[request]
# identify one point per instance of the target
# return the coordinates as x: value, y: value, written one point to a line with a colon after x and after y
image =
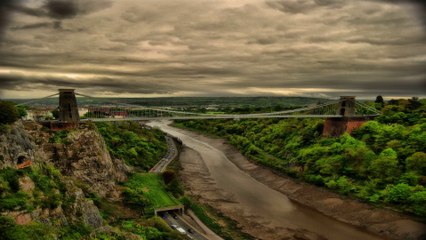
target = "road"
x: 176, y: 220
x: 170, y: 155
x: 259, y: 201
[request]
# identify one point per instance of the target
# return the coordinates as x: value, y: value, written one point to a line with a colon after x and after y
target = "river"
x: 260, y: 200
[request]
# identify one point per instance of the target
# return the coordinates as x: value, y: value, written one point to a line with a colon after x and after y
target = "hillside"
x: 382, y: 163
x: 73, y: 187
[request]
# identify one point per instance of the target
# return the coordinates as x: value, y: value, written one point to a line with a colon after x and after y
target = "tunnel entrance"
x: 21, y: 159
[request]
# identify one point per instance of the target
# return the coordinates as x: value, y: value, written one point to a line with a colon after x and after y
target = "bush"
x: 417, y: 163
x: 10, y: 231
x: 398, y: 193
x: 8, y: 113
x: 13, y: 201
x: 419, y: 202
x: 11, y: 176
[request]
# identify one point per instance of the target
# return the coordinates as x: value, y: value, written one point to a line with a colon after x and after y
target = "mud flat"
x: 269, y: 206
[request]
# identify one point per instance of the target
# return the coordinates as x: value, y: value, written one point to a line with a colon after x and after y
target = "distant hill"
x: 191, y: 101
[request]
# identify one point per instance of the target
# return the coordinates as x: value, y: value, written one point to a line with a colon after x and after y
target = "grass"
x: 150, y: 189
x: 216, y: 221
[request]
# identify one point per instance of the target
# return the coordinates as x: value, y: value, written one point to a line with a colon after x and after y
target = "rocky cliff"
x: 82, y: 154
x: 15, y: 145
x: 65, y: 167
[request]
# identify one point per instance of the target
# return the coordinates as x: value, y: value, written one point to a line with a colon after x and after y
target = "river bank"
x: 383, y: 222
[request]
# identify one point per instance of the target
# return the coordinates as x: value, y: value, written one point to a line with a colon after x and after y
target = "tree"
x: 399, y: 193
x: 379, y: 101
x: 55, y: 113
x: 8, y: 113
x: 385, y: 167
x: 414, y: 103
x: 417, y: 163
x: 22, y: 110
x: 168, y: 176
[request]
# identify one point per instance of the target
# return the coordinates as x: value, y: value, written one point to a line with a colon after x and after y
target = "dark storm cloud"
x: 55, y: 9
x: 292, y: 6
x: 58, y: 9
x: 23, y: 83
x: 33, y: 26
x: 61, y: 9
x: 4, y: 15
x: 303, y: 6
x: 223, y: 47
x: 421, y: 5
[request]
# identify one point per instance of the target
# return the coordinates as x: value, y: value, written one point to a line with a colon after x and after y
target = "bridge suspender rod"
x: 363, y: 105
x: 294, y: 110
x: 38, y: 99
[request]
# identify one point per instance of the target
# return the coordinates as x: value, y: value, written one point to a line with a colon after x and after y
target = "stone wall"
x: 334, y: 127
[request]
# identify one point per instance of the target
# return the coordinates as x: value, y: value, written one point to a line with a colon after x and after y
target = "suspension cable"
x: 36, y: 100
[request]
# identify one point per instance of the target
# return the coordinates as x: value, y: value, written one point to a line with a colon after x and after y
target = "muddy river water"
x: 260, y: 200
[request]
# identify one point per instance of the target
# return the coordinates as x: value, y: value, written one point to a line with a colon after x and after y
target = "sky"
x: 156, y: 48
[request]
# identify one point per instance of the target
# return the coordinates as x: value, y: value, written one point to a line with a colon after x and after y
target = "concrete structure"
x: 68, y: 110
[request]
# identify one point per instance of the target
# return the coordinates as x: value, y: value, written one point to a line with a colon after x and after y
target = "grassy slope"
x: 152, y: 187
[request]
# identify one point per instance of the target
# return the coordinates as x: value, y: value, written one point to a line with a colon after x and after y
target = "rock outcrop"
x: 15, y: 146
x: 83, y: 154
x: 83, y: 160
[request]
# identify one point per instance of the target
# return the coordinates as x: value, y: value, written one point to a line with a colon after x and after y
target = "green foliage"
x: 11, y: 177
x: 379, y: 103
x: 418, y: 200
x: 375, y: 164
x: 148, y: 191
x: 55, y: 113
x: 201, y: 214
x: 36, y: 231
x: 385, y: 167
x: 417, y: 163
x: 136, y: 145
x: 74, y: 231
x: 221, y: 225
x: 152, y: 229
x: 22, y: 111
x: 11, y: 197
x: 50, y: 192
x: 59, y: 137
x: 398, y: 193
x: 14, y: 201
x: 8, y: 112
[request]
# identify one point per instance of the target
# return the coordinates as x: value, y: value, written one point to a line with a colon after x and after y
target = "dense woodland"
x: 137, y: 145
x: 383, y: 162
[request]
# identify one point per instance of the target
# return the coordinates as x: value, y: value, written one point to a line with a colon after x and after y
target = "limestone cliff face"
x: 85, y: 156
x: 15, y: 145
x: 82, y: 154
x: 83, y: 160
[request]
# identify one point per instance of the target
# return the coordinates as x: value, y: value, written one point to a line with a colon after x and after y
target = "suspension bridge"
x: 345, y: 107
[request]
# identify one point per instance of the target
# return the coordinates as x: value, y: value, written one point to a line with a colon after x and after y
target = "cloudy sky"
x: 149, y: 48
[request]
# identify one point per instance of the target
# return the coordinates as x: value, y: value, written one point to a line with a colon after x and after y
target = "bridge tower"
x: 347, y: 106
x: 68, y: 110
x: 347, y: 122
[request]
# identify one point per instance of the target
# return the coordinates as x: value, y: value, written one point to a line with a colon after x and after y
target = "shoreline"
x: 383, y: 222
